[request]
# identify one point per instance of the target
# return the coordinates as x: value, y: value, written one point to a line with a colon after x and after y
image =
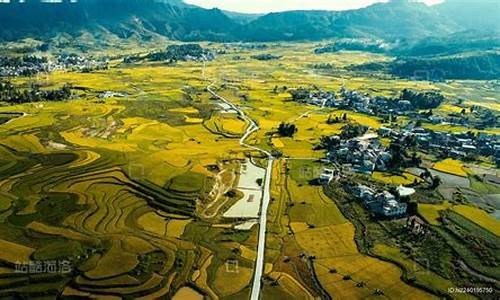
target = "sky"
x: 265, y: 6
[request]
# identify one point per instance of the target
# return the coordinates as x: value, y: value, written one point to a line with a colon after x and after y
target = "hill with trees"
x: 173, y: 19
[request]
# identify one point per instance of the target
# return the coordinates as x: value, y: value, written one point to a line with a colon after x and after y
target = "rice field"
x: 403, y: 179
x: 142, y: 193
x: 451, y: 166
x: 430, y: 212
x: 480, y: 217
x: 319, y: 230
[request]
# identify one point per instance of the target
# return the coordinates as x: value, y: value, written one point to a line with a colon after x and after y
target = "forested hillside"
x: 397, y: 19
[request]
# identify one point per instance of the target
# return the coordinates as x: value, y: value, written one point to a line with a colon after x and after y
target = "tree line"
x: 16, y: 95
x: 422, y: 100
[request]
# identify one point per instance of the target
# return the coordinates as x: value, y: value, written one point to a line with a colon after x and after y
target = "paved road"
x: 266, y: 195
x: 261, y: 247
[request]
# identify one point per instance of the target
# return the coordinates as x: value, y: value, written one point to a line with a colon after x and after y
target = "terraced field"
x: 110, y: 187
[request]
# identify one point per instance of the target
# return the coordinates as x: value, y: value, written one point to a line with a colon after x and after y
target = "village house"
x: 326, y: 176
x: 455, y: 145
x: 384, y: 203
x: 363, y: 154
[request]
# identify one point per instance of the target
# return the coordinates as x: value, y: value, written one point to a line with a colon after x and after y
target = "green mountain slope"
x: 397, y: 19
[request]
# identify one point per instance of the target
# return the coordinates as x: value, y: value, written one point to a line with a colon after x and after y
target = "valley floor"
x: 161, y: 189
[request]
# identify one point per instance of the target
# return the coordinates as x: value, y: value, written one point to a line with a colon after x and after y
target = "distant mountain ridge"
x: 174, y: 19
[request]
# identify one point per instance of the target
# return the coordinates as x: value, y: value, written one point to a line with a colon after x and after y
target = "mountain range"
x: 173, y: 19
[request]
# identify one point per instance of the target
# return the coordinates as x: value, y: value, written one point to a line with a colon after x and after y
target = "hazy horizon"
x: 266, y: 6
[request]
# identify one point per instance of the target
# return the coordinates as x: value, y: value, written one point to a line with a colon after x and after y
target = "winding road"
x: 266, y: 195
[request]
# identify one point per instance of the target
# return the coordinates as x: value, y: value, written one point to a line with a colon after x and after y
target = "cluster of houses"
x: 80, y: 63
x: 478, y: 117
x: 355, y: 101
x: 455, y: 145
x: 377, y: 105
x: 23, y: 66
x: 383, y: 203
x: 28, y: 66
x: 474, y: 117
x: 366, y: 154
x: 363, y: 154
x: 319, y: 98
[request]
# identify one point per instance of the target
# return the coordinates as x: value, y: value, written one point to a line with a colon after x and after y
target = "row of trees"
x: 337, y: 119
x: 353, y: 45
x: 183, y: 52
x: 480, y: 66
x: 266, y: 56
x: 15, y: 95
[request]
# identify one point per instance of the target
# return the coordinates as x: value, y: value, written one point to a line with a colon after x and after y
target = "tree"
x: 397, y: 155
x: 415, y: 160
x: 300, y: 94
x: 332, y: 120
x: 426, y: 174
x: 287, y: 130
x: 436, y: 181
x: 412, y: 207
x: 329, y: 142
x: 422, y: 100
x: 351, y: 130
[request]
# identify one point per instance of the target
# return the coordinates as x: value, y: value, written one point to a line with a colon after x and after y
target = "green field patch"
x: 415, y: 271
x: 23, y: 142
x: 51, y: 209
x: 475, y: 245
x: 479, y: 217
x: 59, y: 250
x: 396, y: 179
x: 312, y: 206
x: 13, y: 252
x: 153, y: 109
x: 113, y: 263
x: 187, y: 183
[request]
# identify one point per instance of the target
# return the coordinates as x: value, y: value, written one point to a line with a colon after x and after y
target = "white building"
x: 326, y: 176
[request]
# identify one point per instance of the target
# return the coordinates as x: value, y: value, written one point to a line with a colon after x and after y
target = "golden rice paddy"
x: 451, y: 166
